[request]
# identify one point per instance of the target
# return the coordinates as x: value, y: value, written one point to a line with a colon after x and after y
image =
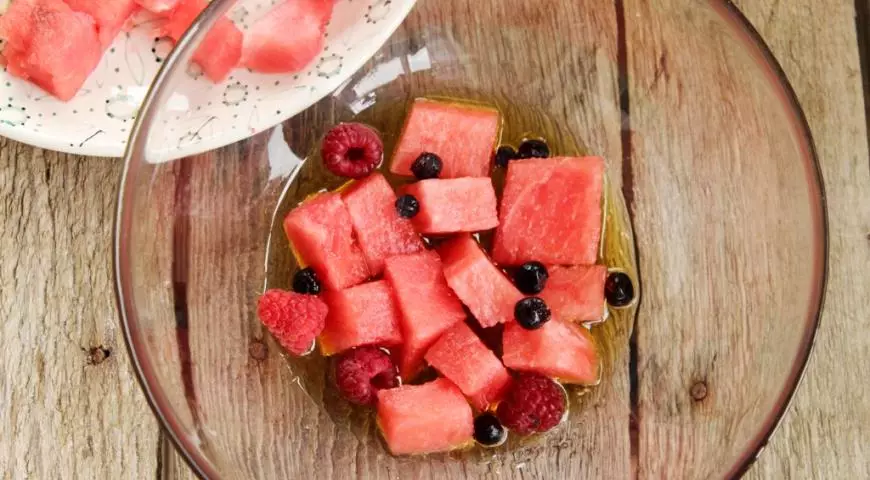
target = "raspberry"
x: 361, y: 372
x: 293, y: 318
x: 351, y: 150
x: 534, y: 404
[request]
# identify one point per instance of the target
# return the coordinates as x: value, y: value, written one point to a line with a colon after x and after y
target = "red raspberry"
x: 352, y: 150
x: 361, y: 372
x: 293, y: 318
x: 534, y: 403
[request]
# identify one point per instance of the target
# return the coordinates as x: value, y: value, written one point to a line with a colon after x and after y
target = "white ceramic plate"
x: 205, y: 116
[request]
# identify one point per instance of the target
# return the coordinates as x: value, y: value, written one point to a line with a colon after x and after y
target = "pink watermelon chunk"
x: 463, y: 358
x: 219, y: 52
x: 381, y: 232
x: 551, y: 212
x: 427, y: 304
x: 576, y: 293
x: 454, y: 205
x: 464, y: 136
x: 559, y: 349
x: 109, y: 15
x: 363, y: 315
x: 158, y: 6
x: 288, y: 37
x: 50, y: 45
x: 433, y: 417
x: 481, y: 286
x: 321, y: 232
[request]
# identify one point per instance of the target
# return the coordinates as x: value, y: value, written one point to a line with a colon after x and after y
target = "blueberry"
x: 427, y: 165
x: 488, y: 431
x: 532, y: 313
x: 306, y: 281
x: 531, y: 277
x: 533, y: 149
x: 618, y: 289
x: 503, y: 155
x: 407, y: 206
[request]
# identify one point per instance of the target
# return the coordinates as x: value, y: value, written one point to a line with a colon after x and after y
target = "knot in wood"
x: 97, y: 355
x: 699, y: 391
x: 258, y: 350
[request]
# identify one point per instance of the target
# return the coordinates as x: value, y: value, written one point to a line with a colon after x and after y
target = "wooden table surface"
x: 70, y: 406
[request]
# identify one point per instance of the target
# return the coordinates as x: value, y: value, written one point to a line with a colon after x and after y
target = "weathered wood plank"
x: 826, y: 434
x: 69, y: 404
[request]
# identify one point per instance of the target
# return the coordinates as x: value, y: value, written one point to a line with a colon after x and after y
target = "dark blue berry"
x: 427, y: 165
x: 533, y: 149
x: 407, y: 206
x: 504, y: 155
x: 306, y: 281
x: 618, y: 289
x: 488, y: 431
x: 532, y: 313
x: 531, y: 277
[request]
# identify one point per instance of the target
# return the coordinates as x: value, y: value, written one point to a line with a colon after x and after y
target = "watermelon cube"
x: 551, y: 212
x: 463, y: 358
x: 576, y: 293
x: 481, y: 286
x: 110, y: 16
x: 363, y: 315
x: 321, y: 233
x: 219, y: 52
x: 427, y: 304
x: 559, y: 349
x: 428, y: 418
x: 50, y: 44
x: 463, y: 135
x: 454, y: 205
x: 381, y: 232
x: 289, y: 37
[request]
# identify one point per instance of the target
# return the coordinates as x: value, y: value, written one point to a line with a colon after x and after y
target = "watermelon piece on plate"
x: 289, y: 37
x: 551, y: 212
x: 576, y: 293
x: 559, y: 349
x: 219, y: 52
x: 454, y: 205
x: 481, y: 286
x: 321, y: 233
x: 463, y: 358
x: 381, y: 232
x: 427, y: 304
x: 363, y: 315
x: 109, y: 15
x: 433, y: 417
x: 50, y: 44
x: 463, y: 135
x: 158, y: 6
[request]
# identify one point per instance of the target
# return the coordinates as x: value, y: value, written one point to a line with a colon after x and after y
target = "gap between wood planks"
x: 862, y: 26
x: 628, y: 194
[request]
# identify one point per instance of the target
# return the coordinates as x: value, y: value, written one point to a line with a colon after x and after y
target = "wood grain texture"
x: 826, y: 434
x: 69, y: 404
x: 721, y: 206
x: 67, y: 411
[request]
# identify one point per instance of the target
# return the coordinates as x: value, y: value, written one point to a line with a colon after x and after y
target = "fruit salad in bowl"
x: 426, y: 276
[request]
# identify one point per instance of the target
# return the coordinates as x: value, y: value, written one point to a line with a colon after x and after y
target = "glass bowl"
x: 702, y: 134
